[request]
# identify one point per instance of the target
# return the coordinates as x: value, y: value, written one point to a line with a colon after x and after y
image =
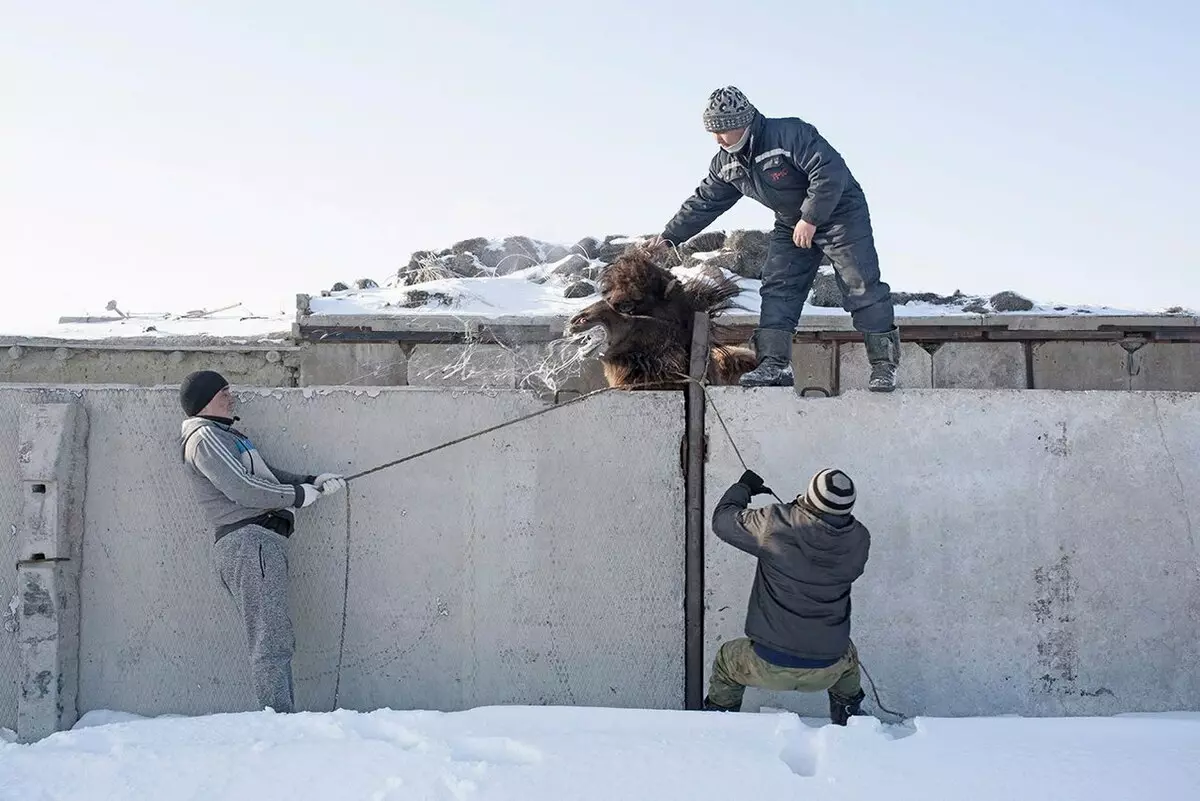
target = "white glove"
x: 311, y: 494
x: 329, y: 483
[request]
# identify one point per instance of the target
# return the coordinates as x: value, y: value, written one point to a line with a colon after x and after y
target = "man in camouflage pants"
x: 809, y: 553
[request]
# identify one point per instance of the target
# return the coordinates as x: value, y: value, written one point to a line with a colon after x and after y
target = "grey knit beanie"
x: 727, y: 109
x: 831, y: 491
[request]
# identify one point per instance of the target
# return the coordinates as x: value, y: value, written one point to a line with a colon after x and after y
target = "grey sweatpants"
x: 252, y: 563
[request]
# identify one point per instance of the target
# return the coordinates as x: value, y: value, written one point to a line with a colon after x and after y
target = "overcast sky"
x: 173, y: 156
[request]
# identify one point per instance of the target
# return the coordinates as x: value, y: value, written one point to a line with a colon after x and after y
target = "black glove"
x: 755, y: 483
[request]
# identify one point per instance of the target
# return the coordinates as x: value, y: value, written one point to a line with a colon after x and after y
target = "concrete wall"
x: 11, y: 503
x: 499, y: 570
x: 1117, y: 364
x: 1032, y: 552
x: 30, y: 362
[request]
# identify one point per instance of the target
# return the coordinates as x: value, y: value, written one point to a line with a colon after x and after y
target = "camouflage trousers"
x: 737, y: 667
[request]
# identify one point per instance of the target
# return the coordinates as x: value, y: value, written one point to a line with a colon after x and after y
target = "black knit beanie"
x: 198, y: 388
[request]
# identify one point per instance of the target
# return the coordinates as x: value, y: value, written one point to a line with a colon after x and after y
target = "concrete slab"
x: 106, y: 364
x: 12, y: 500
x: 52, y: 462
x: 49, y: 647
x: 1006, y: 573
x: 812, y: 362
x: 1166, y: 366
x: 549, y: 368
x: 475, y: 573
x: 551, y: 584
x: 363, y: 364
x: 1080, y: 365
x: 475, y: 365
x: 916, y: 367
x: 979, y: 365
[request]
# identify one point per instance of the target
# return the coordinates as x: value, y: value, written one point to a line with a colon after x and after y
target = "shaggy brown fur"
x: 647, y: 316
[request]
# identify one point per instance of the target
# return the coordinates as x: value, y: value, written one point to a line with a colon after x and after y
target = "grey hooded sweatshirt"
x: 230, y: 478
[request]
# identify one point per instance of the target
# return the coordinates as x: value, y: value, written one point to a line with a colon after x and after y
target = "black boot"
x: 883, y: 352
x: 841, y: 707
x: 773, y: 347
x: 709, y: 706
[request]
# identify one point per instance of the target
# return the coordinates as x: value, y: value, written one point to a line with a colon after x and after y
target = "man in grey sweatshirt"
x: 250, y: 505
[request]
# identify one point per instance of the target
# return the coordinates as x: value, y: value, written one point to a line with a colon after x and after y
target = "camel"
x: 646, y: 314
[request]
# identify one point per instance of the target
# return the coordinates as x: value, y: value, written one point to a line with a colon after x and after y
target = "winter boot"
x: 709, y: 706
x: 773, y: 347
x: 841, y: 707
x: 883, y: 352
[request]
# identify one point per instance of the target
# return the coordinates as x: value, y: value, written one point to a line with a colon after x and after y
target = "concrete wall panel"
x: 80, y: 365
x: 361, y: 364
x: 11, y: 504
x: 812, y: 363
x: 1080, y: 366
x: 518, y: 567
x: 1166, y: 366
x: 558, y: 581
x: 980, y: 365
x: 1032, y: 553
x: 915, y: 372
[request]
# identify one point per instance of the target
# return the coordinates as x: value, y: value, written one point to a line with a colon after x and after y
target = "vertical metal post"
x: 693, y: 582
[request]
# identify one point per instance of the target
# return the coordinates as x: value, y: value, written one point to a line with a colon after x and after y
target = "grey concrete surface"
x: 52, y: 461
x: 518, y: 567
x: 812, y: 364
x: 11, y: 510
x: 1080, y: 366
x: 979, y: 365
x: 1032, y: 552
x: 108, y: 363
x: 916, y: 367
x: 362, y: 364
x: 476, y: 365
x: 1166, y: 365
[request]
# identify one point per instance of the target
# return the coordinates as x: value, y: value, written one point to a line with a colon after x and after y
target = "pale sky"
x: 187, y: 155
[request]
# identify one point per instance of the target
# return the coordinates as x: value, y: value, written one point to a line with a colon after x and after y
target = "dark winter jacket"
x: 787, y: 166
x: 800, y: 601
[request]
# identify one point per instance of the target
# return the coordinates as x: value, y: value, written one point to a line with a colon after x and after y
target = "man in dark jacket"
x: 785, y: 164
x: 798, y: 621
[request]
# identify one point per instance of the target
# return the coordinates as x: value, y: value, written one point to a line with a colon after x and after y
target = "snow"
x: 529, y: 292
x: 236, y: 323
x: 537, y: 291
x: 554, y: 753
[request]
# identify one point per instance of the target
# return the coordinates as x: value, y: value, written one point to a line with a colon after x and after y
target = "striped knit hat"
x: 831, y: 491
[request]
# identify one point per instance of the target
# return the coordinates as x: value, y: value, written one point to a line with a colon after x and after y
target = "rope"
x: 875, y: 692
x: 337, y: 682
x: 483, y: 431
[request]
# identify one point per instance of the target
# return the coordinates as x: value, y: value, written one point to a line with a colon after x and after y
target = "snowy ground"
x: 561, y: 753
